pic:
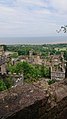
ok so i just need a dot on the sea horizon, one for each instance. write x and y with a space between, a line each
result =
33 40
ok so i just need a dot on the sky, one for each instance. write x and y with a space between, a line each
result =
32 18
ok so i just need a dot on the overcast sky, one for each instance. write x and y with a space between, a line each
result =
32 17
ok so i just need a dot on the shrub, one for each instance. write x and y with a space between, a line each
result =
51 82
2 85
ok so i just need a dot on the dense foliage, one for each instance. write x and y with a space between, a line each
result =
30 72
5 83
2 85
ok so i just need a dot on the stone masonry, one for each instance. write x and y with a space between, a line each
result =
57 67
2 61
34 102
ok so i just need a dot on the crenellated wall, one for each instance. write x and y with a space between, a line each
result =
34 102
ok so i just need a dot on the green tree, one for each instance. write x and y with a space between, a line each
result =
2 85
47 73
42 70
8 82
14 55
65 55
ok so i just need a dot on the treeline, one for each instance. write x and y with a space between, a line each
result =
34 47
43 50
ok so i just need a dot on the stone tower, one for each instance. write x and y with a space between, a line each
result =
1 51
2 61
31 56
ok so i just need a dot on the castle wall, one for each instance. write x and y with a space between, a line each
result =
56 75
3 69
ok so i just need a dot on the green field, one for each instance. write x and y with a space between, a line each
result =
61 49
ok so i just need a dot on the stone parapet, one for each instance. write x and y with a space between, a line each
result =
31 102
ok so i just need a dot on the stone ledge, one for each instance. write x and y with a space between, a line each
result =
33 102
20 97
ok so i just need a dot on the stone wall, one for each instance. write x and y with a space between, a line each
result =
57 75
33 102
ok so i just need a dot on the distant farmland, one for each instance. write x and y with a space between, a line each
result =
61 49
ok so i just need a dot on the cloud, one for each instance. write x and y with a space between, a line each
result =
38 3
59 5
7 2
31 17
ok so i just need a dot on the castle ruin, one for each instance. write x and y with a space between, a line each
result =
2 61
57 67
